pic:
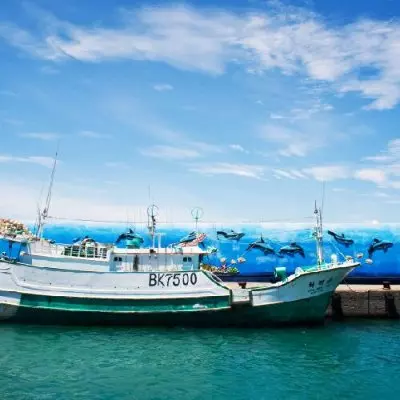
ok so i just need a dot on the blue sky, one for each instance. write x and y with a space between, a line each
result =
242 108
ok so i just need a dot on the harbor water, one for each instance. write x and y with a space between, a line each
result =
352 360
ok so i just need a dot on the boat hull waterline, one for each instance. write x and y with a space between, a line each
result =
53 296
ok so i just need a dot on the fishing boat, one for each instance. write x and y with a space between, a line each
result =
160 285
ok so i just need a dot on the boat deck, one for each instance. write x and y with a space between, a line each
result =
341 288
352 301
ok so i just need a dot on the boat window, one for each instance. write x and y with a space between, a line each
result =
185 259
118 259
189 259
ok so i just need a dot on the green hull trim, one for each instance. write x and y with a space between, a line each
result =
82 304
303 312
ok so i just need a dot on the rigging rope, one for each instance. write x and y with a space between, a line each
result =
214 223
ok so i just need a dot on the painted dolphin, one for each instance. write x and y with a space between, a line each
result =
193 239
341 239
129 235
80 239
189 238
379 245
291 250
262 246
231 235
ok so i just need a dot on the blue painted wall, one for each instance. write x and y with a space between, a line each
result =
384 263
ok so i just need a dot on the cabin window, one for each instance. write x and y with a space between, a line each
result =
187 259
118 259
184 259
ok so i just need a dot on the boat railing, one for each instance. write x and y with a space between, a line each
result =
71 250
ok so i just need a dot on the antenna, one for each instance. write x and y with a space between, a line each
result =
197 214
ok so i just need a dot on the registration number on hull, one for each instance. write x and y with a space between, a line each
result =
168 280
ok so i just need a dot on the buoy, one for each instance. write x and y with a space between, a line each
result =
298 271
368 261
360 255
280 273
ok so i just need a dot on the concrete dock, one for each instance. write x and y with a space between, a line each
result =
358 301
366 301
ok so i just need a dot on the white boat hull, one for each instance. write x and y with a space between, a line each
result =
34 294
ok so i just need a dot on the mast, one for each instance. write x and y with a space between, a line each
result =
151 222
318 234
197 213
42 215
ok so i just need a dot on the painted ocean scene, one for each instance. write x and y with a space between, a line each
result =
259 248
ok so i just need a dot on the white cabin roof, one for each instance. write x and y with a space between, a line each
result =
161 250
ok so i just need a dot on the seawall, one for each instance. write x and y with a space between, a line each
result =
365 301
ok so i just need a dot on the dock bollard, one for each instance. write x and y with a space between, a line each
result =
390 306
336 303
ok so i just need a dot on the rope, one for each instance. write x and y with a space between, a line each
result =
215 223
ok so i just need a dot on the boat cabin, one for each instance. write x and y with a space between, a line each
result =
108 258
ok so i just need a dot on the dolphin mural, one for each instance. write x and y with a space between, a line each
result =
262 246
129 235
377 244
86 239
291 250
231 235
193 239
341 239
189 238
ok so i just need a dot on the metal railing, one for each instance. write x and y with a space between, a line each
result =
71 250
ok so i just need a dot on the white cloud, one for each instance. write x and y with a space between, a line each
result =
285 174
93 135
204 148
298 174
328 172
391 154
163 87
47 136
292 142
381 195
49 70
244 170
8 93
375 175
170 152
379 158
288 39
39 160
238 147
275 116
116 164
13 121
389 167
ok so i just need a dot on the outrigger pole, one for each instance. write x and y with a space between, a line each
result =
42 215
